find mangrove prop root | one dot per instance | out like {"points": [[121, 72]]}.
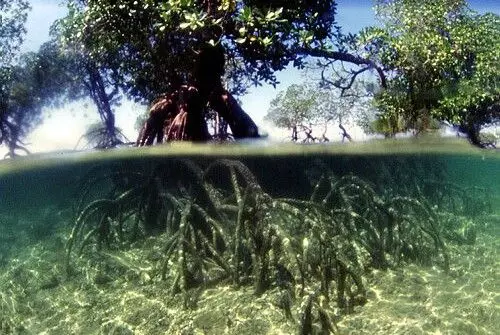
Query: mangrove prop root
{"points": [[181, 116], [223, 226]]}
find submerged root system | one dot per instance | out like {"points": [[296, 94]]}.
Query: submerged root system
{"points": [[221, 226]]}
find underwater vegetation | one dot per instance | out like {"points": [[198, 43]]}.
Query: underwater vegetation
{"points": [[221, 227]]}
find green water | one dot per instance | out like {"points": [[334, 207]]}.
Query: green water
{"points": [[386, 237]]}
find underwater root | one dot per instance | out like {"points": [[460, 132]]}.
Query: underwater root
{"points": [[221, 226]]}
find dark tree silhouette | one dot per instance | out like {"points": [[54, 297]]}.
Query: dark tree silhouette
{"points": [[181, 115]]}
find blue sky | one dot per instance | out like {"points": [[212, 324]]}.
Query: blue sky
{"points": [[63, 128]]}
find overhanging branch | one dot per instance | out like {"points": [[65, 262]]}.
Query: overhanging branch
{"points": [[338, 84], [346, 57]]}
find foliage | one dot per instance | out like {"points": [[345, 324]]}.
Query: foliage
{"points": [[295, 109], [304, 109], [13, 16], [443, 63], [50, 77], [474, 102], [59, 71], [151, 44], [46, 78], [148, 48], [29, 85]]}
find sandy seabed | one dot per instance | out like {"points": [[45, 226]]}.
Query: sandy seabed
{"points": [[114, 294]]}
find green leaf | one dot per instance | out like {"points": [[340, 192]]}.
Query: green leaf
{"points": [[267, 41]]}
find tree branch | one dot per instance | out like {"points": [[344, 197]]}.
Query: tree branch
{"points": [[337, 84], [346, 57]]}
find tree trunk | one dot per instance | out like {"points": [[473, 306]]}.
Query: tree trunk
{"points": [[181, 114], [97, 89]]}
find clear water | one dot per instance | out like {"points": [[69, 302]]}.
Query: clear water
{"points": [[387, 238]]}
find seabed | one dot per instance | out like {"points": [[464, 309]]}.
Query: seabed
{"points": [[409, 300]]}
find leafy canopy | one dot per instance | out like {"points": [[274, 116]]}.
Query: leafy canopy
{"points": [[13, 15], [14, 95], [29, 81], [294, 109], [306, 109], [443, 60], [151, 44]]}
